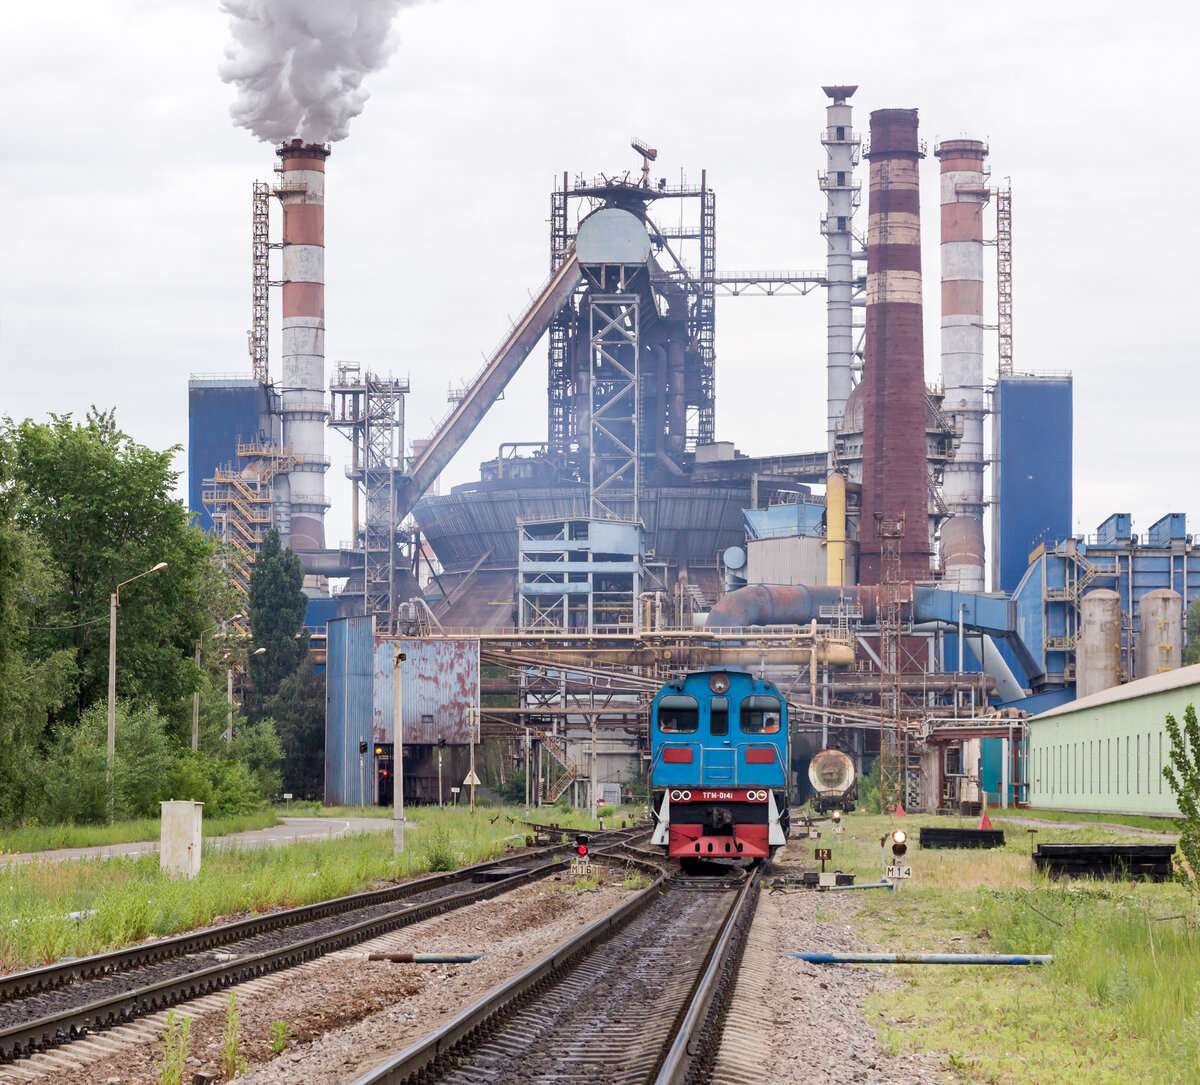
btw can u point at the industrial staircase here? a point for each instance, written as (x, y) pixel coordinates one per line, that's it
(569, 771)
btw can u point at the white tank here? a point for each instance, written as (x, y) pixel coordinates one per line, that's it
(1160, 628)
(831, 771)
(1098, 650)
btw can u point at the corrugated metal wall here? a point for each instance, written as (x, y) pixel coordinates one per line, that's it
(221, 414)
(1108, 757)
(439, 683)
(796, 560)
(1033, 451)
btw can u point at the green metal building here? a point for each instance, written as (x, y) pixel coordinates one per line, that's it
(1106, 752)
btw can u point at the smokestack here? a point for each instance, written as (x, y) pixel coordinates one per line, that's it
(894, 479)
(842, 192)
(302, 192)
(964, 192)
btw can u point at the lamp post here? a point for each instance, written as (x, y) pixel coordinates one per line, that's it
(114, 604)
(229, 693)
(196, 695)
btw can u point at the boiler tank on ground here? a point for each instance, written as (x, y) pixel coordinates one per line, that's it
(832, 776)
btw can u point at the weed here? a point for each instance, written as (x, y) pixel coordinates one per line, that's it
(634, 878)
(279, 1036)
(174, 1050)
(232, 1062)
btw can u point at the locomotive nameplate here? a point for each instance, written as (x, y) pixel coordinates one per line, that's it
(718, 795)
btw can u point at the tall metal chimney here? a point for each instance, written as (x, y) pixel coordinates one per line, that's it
(842, 147)
(894, 478)
(964, 192)
(301, 190)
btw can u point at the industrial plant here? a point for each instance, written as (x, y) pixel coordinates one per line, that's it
(909, 579)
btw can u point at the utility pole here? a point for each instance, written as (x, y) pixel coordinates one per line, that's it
(473, 719)
(398, 754)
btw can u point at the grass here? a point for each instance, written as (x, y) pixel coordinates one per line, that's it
(1134, 821)
(51, 837)
(1120, 1003)
(128, 899)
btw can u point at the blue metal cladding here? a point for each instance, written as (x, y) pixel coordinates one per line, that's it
(349, 686)
(221, 414)
(1033, 452)
(721, 760)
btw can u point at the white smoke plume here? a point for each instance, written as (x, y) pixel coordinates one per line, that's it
(298, 65)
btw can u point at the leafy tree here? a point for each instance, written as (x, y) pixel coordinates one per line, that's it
(1191, 654)
(101, 505)
(1183, 776)
(298, 710)
(277, 607)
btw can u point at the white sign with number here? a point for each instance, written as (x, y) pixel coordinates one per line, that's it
(897, 872)
(581, 867)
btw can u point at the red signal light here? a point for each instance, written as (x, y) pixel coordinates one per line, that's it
(581, 845)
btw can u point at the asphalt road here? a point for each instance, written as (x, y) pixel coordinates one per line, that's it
(291, 831)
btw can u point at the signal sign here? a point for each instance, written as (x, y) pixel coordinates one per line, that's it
(822, 854)
(897, 872)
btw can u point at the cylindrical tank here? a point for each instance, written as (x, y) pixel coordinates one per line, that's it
(831, 774)
(1098, 650)
(835, 530)
(1160, 622)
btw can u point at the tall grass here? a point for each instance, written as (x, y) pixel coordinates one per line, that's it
(126, 900)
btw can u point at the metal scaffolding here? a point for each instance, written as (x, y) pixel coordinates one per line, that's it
(260, 279)
(370, 411)
(1004, 276)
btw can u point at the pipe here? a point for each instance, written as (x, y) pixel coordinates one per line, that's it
(846, 888)
(923, 958)
(835, 529)
(425, 958)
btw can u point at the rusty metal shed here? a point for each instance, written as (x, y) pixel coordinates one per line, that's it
(439, 683)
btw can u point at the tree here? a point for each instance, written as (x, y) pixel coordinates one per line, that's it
(1191, 654)
(102, 506)
(277, 607)
(298, 709)
(1183, 776)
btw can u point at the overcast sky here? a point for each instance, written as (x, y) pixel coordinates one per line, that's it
(125, 203)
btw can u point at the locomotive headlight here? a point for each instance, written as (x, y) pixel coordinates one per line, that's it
(719, 683)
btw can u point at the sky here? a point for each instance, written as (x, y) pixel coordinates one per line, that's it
(125, 204)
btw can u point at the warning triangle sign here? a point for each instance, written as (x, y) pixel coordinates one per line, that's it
(470, 779)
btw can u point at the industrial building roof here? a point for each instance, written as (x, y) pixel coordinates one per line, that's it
(1155, 683)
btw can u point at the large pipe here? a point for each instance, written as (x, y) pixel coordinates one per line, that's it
(301, 191)
(895, 475)
(835, 530)
(842, 196)
(964, 192)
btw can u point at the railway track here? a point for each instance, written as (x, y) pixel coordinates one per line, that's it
(638, 996)
(46, 1007)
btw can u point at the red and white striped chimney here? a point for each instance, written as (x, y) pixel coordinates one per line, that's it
(894, 472)
(301, 191)
(964, 192)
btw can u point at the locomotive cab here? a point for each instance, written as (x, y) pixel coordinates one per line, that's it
(719, 767)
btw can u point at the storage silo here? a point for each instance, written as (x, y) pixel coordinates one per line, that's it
(1098, 651)
(1160, 624)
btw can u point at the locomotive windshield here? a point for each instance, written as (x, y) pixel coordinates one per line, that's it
(718, 716)
(678, 714)
(759, 715)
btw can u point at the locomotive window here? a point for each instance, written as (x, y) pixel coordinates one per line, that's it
(718, 716)
(760, 715)
(678, 714)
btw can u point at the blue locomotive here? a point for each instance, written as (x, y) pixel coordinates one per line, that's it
(719, 766)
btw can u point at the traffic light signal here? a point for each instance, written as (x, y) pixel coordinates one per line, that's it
(581, 846)
(362, 746)
(899, 843)
(378, 751)
(837, 816)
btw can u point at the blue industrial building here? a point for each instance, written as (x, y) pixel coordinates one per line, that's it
(223, 412)
(1032, 455)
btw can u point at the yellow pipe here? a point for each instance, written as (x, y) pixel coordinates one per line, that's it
(835, 530)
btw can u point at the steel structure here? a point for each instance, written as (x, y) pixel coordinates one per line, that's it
(369, 409)
(1004, 276)
(964, 191)
(844, 194)
(678, 355)
(260, 247)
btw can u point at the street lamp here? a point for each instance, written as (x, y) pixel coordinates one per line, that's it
(196, 695)
(229, 693)
(114, 604)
